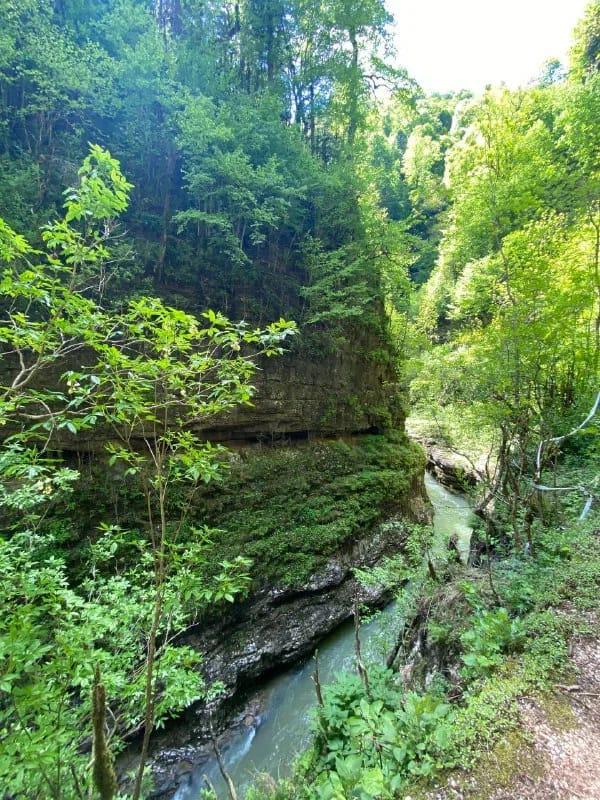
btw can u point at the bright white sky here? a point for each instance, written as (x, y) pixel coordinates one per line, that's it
(466, 44)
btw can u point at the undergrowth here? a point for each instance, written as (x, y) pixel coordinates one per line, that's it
(388, 739)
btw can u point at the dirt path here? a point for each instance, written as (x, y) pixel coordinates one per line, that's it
(559, 754)
(568, 748)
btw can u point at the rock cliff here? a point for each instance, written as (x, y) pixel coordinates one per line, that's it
(346, 389)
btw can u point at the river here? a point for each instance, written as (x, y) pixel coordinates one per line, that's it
(283, 728)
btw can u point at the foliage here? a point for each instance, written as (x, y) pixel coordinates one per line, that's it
(492, 635)
(585, 52)
(146, 373)
(53, 638)
(370, 743)
(288, 509)
(242, 126)
(512, 306)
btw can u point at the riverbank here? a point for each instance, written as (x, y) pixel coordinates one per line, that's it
(489, 658)
(308, 513)
(273, 725)
(551, 754)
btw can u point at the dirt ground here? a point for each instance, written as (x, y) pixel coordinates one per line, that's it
(558, 757)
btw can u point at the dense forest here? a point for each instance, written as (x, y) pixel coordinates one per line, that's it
(254, 281)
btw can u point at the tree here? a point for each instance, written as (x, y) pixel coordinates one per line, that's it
(153, 372)
(515, 291)
(585, 52)
(158, 373)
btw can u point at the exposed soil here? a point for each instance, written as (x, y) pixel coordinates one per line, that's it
(569, 747)
(556, 753)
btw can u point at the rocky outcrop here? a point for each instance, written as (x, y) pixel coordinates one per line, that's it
(421, 657)
(281, 625)
(453, 470)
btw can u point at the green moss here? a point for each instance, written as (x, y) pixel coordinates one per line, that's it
(558, 711)
(290, 508)
(511, 752)
(511, 756)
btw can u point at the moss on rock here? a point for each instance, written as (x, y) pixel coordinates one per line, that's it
(290, 508)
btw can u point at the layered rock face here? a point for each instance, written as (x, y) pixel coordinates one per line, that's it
(345, 390)
(280, 624)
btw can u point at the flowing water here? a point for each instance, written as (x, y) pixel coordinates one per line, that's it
(283, 729)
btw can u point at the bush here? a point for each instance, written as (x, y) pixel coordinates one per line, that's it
(492, 635)
(369, 743)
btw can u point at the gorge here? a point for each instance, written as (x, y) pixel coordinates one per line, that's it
(296, 355)
(275, 726)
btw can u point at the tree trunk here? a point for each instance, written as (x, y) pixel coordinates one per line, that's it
(353, 89)
(159, 272)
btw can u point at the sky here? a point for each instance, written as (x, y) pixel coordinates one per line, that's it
(465, 44)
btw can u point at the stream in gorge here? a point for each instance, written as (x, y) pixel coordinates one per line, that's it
(283, 728)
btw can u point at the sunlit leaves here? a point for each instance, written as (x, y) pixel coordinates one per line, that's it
(517, 277)
(146, 374)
